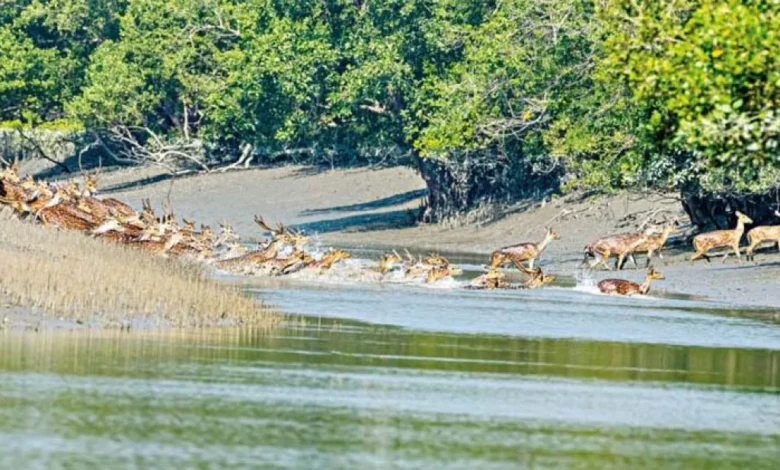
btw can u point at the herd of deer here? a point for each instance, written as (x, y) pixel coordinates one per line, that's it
(74, 206)
(624, 246)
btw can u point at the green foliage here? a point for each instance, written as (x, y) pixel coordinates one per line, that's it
(501, 98)
(708, 74)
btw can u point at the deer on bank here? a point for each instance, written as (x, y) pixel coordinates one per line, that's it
(654, 245)
(705, 242)
(522, 252)
(762, 234)
(621, 246)
(628, 288)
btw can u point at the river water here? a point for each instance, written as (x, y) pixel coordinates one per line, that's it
(387, 376)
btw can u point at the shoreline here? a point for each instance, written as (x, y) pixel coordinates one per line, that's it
(370, 209)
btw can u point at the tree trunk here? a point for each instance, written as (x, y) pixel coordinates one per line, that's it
(709, 211)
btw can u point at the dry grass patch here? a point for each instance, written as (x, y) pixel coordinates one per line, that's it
(69, 275)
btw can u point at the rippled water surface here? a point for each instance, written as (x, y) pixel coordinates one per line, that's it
(400, 377)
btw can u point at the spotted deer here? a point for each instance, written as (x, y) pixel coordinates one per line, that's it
(654, 245)
(705, 242)
(623, 287)
(621, 246)
(252, 259)
(330, 258)
(538, 279)
(762, 234)
(438, 273)
(522, 252)
(387, 262)
(491, 280)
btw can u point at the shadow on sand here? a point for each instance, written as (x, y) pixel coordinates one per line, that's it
(360, 223)
(394, 200)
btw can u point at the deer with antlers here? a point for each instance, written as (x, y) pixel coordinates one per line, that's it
(290, 237)
(705, 242)
(762, 234)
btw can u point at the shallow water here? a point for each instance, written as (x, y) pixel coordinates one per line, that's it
(377, 375)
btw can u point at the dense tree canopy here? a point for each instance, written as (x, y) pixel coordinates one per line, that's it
(490, 100)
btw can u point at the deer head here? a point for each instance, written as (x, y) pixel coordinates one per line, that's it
(435, 259)
(742, 218)
(279, 230)
(227, 234)
(206, 233)
(653, 274)
(90, 186)
(189, 225)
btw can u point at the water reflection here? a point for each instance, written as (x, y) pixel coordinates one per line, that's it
(327, 393)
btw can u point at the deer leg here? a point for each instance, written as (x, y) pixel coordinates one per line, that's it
(633, 260)
(620, 262)
(749, 252)
(737, 253)
(605, 260)
(647, 261)
(698, 255)
(726, 255)
(531, 263)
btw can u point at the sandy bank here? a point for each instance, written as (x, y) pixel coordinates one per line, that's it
(371, 208)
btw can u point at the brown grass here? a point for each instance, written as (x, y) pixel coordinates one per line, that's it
(73, 276)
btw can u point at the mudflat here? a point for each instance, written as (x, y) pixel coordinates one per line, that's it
(375, 208)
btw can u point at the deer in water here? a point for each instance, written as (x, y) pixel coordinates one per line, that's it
(294, 238)
(522, 252)
(538, 279)
(387, 262)
(621, 245)
(623, 287)
(330, 258)
(493, 279)
(705, 242)
(762, 234)
(438, 273)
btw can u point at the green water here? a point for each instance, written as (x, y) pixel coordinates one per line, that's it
(320, 393)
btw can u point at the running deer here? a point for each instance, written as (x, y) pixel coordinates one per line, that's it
(621, 245)
(491, 280)
(330, 258)
(522, 252)
(654, 244)
(437, 273)
(763, 234)
(388, 261)
(623, 287)
(705, 242)
(253, 259)
(294, 238)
